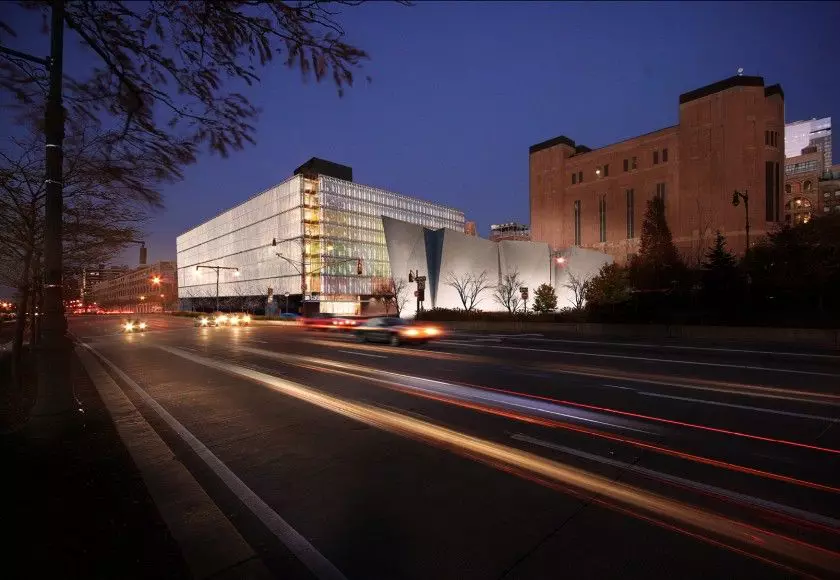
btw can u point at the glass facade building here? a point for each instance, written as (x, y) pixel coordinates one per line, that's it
(802, 134)
(309, 237)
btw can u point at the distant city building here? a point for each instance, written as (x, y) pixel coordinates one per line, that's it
(802, 134)
(729, 136)
(470, 229)
(94, 275)
(148, 288)
(317, 237)
(802, 177)
(510, 231)
(829, 189)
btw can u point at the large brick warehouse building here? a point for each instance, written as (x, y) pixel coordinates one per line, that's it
(730, 136)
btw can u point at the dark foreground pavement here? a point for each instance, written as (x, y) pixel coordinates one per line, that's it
(79, 508)
(484, 456)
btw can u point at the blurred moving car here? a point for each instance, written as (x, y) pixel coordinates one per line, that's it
(289, 316)
(320, 321)
(133, 325)
(395, 331)
(239, 319)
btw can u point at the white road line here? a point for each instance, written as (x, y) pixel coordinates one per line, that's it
(703, 487)
(297, 544)
(618, 387)
(648, 359)
(734, 406)
(686, 347)
(362, 354)
(260, 341)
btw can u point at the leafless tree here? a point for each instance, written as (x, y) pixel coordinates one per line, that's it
(399, 287)
(469, 287)
(705, 235)
(578, 285)
(507, 293)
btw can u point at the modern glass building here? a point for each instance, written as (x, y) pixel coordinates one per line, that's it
(314, 241)
(802, 134)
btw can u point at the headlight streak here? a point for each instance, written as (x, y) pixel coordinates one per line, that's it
(628, 497)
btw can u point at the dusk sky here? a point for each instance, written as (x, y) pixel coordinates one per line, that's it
(460, 90)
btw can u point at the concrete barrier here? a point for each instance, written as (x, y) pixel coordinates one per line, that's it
(827, 338)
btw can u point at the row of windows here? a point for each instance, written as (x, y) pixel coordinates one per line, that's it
(771, 138)
(631, 163)
(630, 214)
(802, 167)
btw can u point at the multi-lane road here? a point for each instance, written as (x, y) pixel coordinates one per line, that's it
(491, 456)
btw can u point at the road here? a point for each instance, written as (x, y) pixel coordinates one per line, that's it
(498, 456)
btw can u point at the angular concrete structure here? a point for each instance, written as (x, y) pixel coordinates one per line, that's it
(438, 253)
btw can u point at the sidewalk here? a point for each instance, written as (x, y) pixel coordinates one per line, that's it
(80, 508)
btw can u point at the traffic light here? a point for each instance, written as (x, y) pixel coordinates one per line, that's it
(410, 277)
(359, 266)
(421, 295)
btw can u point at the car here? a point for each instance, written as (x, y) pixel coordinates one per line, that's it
(320, 321)
(289, 316)
(395, 331)
(239, 319)
(215, 319)
(133, 325)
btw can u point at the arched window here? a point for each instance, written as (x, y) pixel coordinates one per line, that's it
(787, 187)
(806, 186)
(799, 208)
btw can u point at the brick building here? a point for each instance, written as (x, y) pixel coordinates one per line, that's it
(510, 231)
(148, 288)
(802, 177)
(730, 136)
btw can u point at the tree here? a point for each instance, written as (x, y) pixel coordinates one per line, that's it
(657, 265)
(545, 299)
(610, 287)
(399, 292)
(507, 293)
(719, 277)
(167, 71)
(469, 287)
(578, 286)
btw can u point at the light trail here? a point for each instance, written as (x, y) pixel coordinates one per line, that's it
(371, 374)
(627, 496)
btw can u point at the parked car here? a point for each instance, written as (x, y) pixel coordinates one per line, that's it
(289, 316)
(395, 331)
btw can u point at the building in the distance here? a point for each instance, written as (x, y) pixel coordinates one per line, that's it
(470, 228)
(145, 289)
(94, 275)
(510, 231)
(829, 189)
(802, 134)
(802, 178)
(729, 136)
(316, 239)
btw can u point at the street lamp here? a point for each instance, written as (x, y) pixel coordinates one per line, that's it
(286, 306)
(554, 258)
(156, 280)
(737, 196)
(218, 269)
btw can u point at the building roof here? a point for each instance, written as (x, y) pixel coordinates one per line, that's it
(562, 139)
(323, 167)
(731, 82)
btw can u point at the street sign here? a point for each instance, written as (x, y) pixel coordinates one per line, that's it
(524, 291)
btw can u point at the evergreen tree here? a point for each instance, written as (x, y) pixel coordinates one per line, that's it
(545, 299)
(657, 265)
(610, 287)
(720, 275)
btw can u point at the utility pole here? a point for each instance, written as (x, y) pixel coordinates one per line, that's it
(218, 269)
(737, 196)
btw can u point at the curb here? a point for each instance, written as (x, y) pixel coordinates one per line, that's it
(211, 545)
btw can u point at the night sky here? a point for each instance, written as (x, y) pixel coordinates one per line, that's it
(460, 91)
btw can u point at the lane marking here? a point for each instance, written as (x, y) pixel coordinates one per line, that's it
(648, 359)
(686, 347)
(496, 454)
(362, 354)
(704, 487)
(619, 387)
(735, 406)
(316, 562)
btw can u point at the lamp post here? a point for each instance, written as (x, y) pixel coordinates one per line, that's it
(286, 305)
(218, 269)
(737, 196)
(554, 258)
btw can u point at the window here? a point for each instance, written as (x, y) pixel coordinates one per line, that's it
(577, 222)
(633, 164)
(665, 155)
(656, 157)
(787, 187)
(631, 214)
(607, 170)
(580, 176)
(769, 202)
(660, 191)
(807, 185)
(602, 218)
(767, 137)
(574, 178)
(626, 164)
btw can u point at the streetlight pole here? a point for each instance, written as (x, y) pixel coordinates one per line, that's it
(218, 269)
(737, 196)
(554, 258)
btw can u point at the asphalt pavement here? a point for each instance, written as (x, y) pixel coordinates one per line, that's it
(497, 455)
